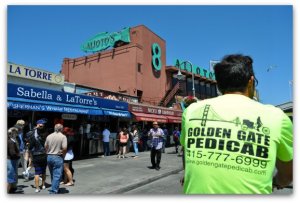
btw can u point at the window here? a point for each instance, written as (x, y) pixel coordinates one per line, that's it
(139, 95)
(139, 67)
(213, 90)
(208, 90)
(202, 90)
(197, 89)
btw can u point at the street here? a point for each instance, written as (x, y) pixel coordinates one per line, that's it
(109, 175)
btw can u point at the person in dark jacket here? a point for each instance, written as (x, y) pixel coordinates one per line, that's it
(13, 156)
(39, 157)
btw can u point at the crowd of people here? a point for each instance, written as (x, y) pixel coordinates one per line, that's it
(38, 149)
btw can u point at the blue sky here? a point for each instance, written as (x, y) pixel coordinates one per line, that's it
(41, 36)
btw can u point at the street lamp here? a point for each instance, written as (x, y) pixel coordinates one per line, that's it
(180, 76)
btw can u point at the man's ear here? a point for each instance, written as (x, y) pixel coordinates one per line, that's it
(251, 87)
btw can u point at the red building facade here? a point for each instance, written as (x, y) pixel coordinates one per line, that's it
(137, 69)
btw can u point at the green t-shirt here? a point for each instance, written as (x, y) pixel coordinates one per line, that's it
(231, 143)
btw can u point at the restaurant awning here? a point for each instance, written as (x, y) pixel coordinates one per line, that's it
(34, 105)
(174, 119)
(150, 117)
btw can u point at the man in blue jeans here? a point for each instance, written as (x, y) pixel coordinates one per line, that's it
(56, 148)
(105, 139)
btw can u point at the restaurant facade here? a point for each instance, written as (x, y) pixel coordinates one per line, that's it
(123, 79)
(31, 99)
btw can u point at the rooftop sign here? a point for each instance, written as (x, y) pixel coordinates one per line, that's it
(195, 69)
(34, 74)
(105, 40)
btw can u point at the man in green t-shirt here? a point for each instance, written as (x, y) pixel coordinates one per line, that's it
(232, 143)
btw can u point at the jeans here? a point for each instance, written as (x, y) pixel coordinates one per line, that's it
(106, 148)
(136, 148)
(12, 171)
(56, 166)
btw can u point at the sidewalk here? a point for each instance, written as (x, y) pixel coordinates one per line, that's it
(109, 175)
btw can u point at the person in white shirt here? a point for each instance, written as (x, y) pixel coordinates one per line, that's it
(105, 139)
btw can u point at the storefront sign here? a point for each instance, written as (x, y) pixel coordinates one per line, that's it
(112, 96)
(105, 40)
(32, 93)
(72, 117)
(195, 69)
(34, 74)
(153, 110)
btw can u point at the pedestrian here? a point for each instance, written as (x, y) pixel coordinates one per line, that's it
(105, 139)
(166, 133)
(27, 158)
(135, 140)
(145, 139)
(117, 144)
(157, 135)
(130, 142)
(21, 143)
(25, 154)
(13, 156)
(56, 148)
(124, 137)
(39, 157)
(225, 150)
(176, 137)
(68, 169)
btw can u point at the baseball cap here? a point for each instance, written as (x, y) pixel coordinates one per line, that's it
(41, 121)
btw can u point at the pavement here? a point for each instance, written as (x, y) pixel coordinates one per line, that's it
(109, 175)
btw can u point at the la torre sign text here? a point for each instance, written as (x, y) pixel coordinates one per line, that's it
(105, 40)
(195, 69)
(34, 74)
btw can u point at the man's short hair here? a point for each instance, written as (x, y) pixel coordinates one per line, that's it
(233, 73)
(13, 131)
(58, 127)
(20, 122)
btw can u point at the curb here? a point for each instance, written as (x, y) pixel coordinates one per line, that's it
(126, 188)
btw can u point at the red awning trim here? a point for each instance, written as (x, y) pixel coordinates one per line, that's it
(174, 119)
(150, 117)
